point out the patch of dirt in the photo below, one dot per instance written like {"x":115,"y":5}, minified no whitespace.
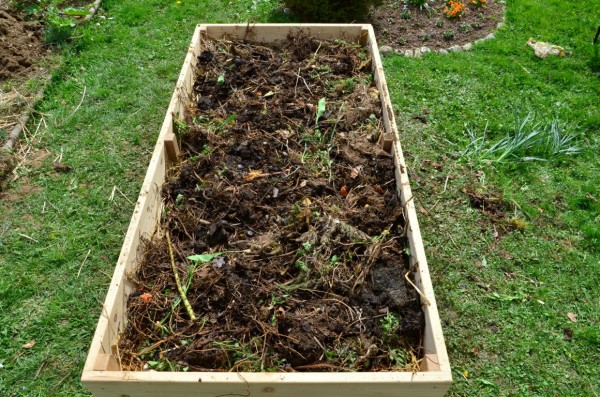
{"x":284,"y":183}
{"x":429,"y":27}
{"x":21,"y":44}
{"x":491,"y":203}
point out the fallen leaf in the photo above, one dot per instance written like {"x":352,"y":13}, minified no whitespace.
{"x":146,"y":297}
{"x":254,"y":174}
{"x":344,"y":191}
{"x":465,"y":374}
{"x":572,"y":317}
{"x":422,"y":210}
{"x":204,"y":258}
{"x":29,"y":344}
{"x":378,"y":189}
{"x":306,"y":202}
{"x":356,"y":172}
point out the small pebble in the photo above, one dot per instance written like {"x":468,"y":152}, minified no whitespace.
{"x":455,"y":48}
{"x":442,"y":51}
{"x":249,"y":233}
{"x":467,"y":47}
{"x":275,"y":192}
{"x":240,"y":166}
{"x":425,"y":50}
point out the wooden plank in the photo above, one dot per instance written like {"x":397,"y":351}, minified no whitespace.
{"x":143,"y":223}
{"x":433,"y":341}
{"x":278,"y":32}
{"x":146,"y":384}
{"x":101,"y":374}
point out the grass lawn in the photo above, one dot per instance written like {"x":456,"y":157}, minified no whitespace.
{"x":506,"y":280}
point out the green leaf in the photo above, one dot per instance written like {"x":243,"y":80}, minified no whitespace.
{"x":221,"y":79}
{"x":204,"y":258}
{"x":321,"y":108}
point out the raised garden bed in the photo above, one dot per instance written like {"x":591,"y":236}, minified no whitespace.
{"x":291,"y":189}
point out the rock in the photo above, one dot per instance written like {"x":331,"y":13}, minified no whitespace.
{"x":425,"y":50}
{"x":409,"y":53}
{"x":467,"y":47}
{"x":417,"y":53}
{"x":399,"y":52}
{"x":490,"y":36}
{"x":455,"y":48}
{"x":385,"y":50}
{"x":442,"y":51}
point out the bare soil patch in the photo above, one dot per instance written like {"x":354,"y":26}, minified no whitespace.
{"x":429,"y":27}
{"x":286,"y":194}
{"x":21,"y":44}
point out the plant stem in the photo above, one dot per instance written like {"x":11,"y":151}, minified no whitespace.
{"x":184,"y":299}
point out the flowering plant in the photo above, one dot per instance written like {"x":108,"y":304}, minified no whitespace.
{"x":454,"y":8}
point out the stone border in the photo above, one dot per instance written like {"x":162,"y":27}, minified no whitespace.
{"x":386,"y":50}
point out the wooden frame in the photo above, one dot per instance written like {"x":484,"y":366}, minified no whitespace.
{"x":102,"y":374}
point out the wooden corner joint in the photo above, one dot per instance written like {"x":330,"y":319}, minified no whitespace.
{"x":364,"y":36}
{"x":106,"y":362}
{"x":386,"y":141}
{"x":172,"y":146}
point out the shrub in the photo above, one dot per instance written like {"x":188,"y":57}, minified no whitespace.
{"x":331,"y":10}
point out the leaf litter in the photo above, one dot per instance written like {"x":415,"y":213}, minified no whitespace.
{"x":288,"y":235}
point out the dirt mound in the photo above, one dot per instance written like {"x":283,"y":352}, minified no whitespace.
{"x":21,"y":44}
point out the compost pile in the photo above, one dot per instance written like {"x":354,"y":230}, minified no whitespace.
{"x":283,"y":220}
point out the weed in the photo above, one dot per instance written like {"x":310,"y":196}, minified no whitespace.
{"x":464,"y":27}
{"x":448,"y":34}
{"x":426,"y":38}
{"x":528,"y":141}
{"x":422,"y":4}
{"x":389,"y":324}
{"x":405,"y":14}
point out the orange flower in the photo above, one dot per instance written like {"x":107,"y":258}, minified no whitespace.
{"x":454,"y":8}
{"x":146,"y":297}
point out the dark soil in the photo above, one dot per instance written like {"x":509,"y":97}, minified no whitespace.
{"x":427,"y":27}
{"x":21,"y":44}
{"x":302,"y":217}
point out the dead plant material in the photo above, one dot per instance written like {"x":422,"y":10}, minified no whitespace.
{"x":311,"y":278}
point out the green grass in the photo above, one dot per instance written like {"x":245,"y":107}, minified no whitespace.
{"x":127,"y":67}
{"x":502,"y":341}
{"x":505,"y":286}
